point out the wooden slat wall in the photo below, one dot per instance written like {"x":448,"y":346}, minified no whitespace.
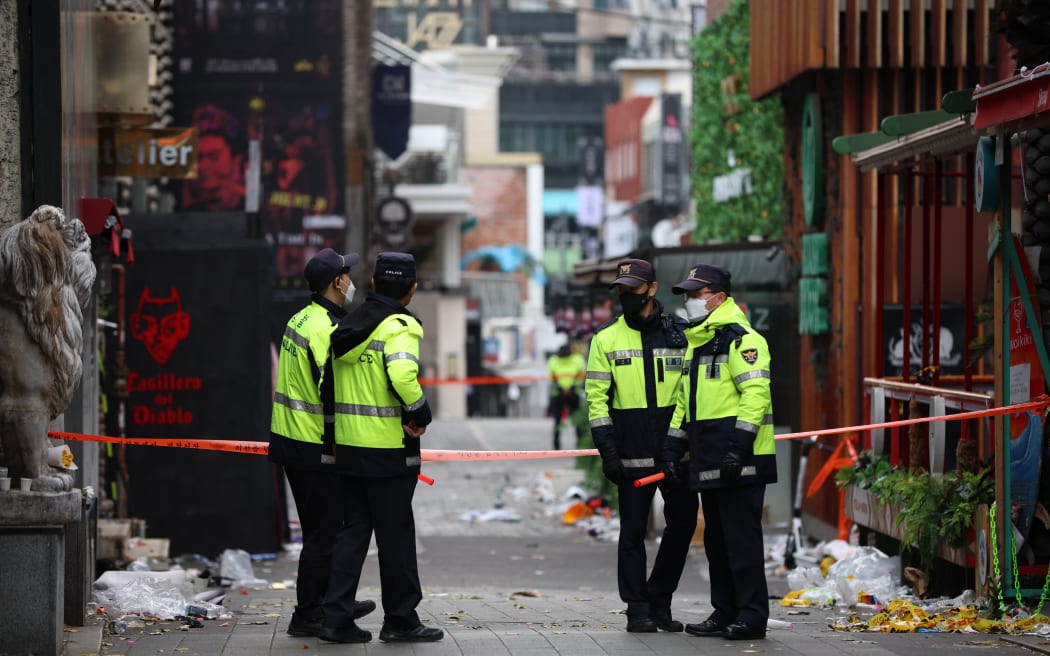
{"x":981,"y":39}
{"x":874,"y":55}
{"x":791,"y":37}
{"x":959,"y":35}
{"x":939,"y":33}
{"x":831,"y":33}
{"x":896,"y":34}
{"x":852,"y":35}
{"x":917,"y":23}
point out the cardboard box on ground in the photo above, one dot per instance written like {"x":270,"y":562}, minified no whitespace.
{"x":124,"y":540}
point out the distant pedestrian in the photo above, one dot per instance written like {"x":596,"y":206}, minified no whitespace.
{"x":633,"y":371}
{"x":724,"y":419}
{"x":380,"y":414}
{"x":302,"y":435}
{"x":566,"y":370}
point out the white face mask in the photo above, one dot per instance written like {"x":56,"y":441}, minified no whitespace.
{"x":350,"y":289}
{"x":696,"y":309}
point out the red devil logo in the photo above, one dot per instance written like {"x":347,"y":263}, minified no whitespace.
{"x":160,"y":324}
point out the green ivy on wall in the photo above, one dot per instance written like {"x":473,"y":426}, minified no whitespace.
{"x":726,"y":119}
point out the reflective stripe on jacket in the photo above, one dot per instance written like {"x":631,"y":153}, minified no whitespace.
{"x":376,"y":386}
{"x":725,"y":400}
{"x":297,"y":422}
{"x":632,"y":382}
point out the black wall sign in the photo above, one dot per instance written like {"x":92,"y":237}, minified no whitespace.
{"x":671,"y":147}
{"x":199,"y":367}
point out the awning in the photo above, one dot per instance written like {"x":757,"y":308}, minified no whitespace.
{"x":560,"y":201}
{"x":903,"y":136}
{"x":510,"y":257}
{"x":1016,"y":102}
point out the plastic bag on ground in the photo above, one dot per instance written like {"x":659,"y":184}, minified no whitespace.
{"x":866,"y":564}
{"x":801,"y":578}
{"x":236,"y":565}
{"x":144,"y":595}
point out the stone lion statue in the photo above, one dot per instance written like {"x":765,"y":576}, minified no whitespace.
{"x":46,"y":275}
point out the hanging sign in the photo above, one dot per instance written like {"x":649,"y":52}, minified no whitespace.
{"x":985,"y":176}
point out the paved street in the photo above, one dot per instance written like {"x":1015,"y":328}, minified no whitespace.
{"x":527,"y":587}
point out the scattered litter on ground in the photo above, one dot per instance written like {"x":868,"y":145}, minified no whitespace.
{"x":859,"y":585}
{"x":494,"y":515}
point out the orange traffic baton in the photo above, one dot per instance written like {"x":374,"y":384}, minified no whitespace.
{"x":651,"y":478}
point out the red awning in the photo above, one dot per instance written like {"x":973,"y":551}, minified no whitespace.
{"x":1016,"y":102}
{"x":101,"y":219}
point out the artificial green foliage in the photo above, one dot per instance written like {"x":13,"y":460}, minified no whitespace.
{"x":930,"y":509}
{"x":593,"y":478}
{"x":725,"y":118}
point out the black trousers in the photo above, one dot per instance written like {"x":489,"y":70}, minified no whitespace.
{"x":569,"y":403}
{"x":736,"y":554}
{"x":680,"y":510}
{"x":383,"y":505}
{"x":315,"y":500}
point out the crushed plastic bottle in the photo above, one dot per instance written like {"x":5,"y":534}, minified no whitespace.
{"x":777,"y":624}
{"x":117,"y":626}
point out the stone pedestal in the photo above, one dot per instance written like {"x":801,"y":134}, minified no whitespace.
{"x":32,"y":578}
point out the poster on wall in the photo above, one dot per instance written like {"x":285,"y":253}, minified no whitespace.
{"x":905,"y":350}
{"x":271,"y":74}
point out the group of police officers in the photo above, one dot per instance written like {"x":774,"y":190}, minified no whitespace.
{"x":685,"y":397}
{"x":348,"y":412}
{"x":688,"y":398}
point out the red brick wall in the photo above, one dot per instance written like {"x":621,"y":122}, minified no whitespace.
{"x":716,"y":8}
{"x":623,"y":126}
{"x":499,"y":202}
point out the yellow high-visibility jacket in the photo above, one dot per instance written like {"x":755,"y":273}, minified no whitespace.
{"x":302,"y":402}
{"x":377,"y":390}
{"x":724,"y":401}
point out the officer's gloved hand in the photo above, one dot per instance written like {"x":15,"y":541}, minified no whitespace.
{"x":612,"y":467}
{"x":732,"y":465}
{"x":669,"y":470}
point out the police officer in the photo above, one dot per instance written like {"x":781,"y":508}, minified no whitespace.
{"x":380,"y":413}
{"x":633,"y":371}
{"x":302,"y":436}
{"x":565,"y":368}
{"x":724,"y":418}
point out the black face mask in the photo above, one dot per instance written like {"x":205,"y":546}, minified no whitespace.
{"x":632,"y":304}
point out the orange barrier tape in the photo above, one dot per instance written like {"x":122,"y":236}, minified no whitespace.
{"x":262,"y":448}
{"x":493,"y":380}
{"x":440,"y":455}
{"x":1038,"y":403}
{"x":651,"y":478}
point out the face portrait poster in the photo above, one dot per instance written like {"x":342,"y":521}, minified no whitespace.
{"x":270,"y":72}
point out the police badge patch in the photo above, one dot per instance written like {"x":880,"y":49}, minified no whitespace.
{"x":750,"y":355}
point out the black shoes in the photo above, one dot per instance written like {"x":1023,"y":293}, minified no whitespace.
{"x":640,"y":624}
{"x":707,"y":629}
{"x":300,"y":628}
{"x":664,"y":621}
{"x":741,"y":631}
{"x":349,"y":633}
{"x":419,"y":634}
{"x":362,"y":608}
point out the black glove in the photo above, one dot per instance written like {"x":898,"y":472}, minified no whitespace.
{"x":732,"y":465}
{"x":670,"y":471}
{"x":612,"y":467}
